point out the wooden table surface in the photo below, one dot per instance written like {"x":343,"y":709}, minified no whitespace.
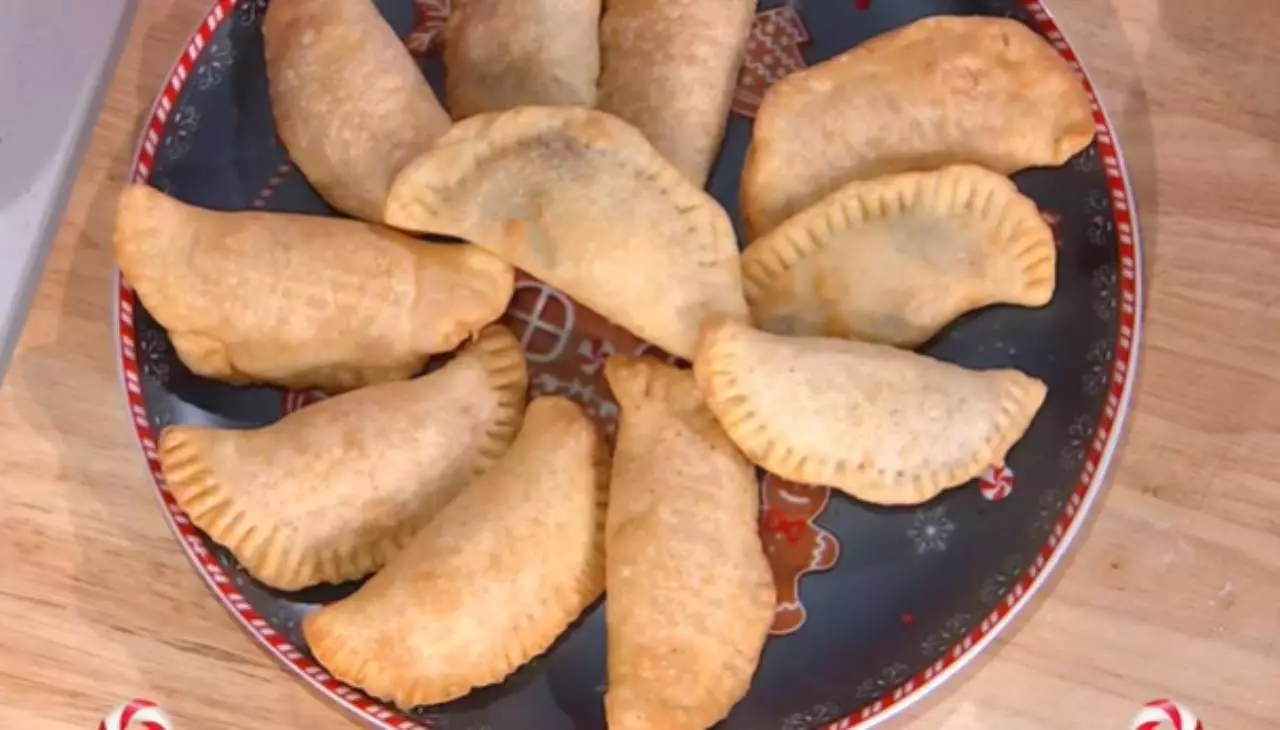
{"x":1174,"y":590}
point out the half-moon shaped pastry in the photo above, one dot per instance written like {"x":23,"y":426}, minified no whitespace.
{"x":885,"y":425}
{"x":579,"y":199}
{"x":501,"y":54}
{"x":349,"y":102}
{"x":301,"y":301}
{"x":330,"y":492}
{"x":896,"y":258}
{"x":943,"y":90}
{"x":691,"y":594}
{"x":669,"y":67}
{"x":489,"y":583}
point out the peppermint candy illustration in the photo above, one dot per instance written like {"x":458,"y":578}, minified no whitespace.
{"x":139,"y":715}
{"x":296,"y":400}
{"x":426,"y":38}
{"x":996,"y":483}
{"x":1163,"y":714}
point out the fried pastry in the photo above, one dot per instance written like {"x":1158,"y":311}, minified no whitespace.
{"x":691,"y":594}
{"x":670,"y":67}
{"x":489,"y":583}
{"x":885,"y":425}
{"x":580,"y":200}
{"x":943,"y":90}
{"x":896,"y":258}
{"x":501,"y":54}
{"x":350,"y":104}
{"x":301,"y":301}
{"x":330,"y":492}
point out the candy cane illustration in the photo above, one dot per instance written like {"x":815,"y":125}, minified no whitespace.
{"x":138,"y":714}
{"x":1162,"y":714}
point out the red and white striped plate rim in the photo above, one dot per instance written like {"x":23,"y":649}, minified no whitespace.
{"x":1160,"y":714}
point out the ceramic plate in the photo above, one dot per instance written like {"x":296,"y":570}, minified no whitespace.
{"x":877,"y":607}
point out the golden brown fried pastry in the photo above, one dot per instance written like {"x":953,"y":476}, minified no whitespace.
{"x":349,"y":102}
{"x":301,"y":301}
{"x":579,"y":199}
{"x":330,"y":492}
{"x":895,"y":258}
{"x":691,"y":594}
{"x":885,"y":425}
{"x":670,"y":67}
{"x":941,"y":91}
{"x":501,"y":54}
{"x":491,"y":582}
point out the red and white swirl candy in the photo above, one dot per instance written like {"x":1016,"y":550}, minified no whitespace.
{"x":296,"y":400}
{"x":1165,"y":715}
{"x":138,"y":715}
{"x":996,"y":483}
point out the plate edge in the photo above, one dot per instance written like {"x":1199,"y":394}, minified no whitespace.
{"x":874,"y":714}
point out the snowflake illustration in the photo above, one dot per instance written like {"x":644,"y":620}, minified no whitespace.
{"x":1078,"y":435}
{"x":182,"y":128}
{"x":251,"y":10}
{"x":221,"y":56}
{"x":953,"y":630}
{"x":995,"y":587}
{"x":930,"y":530}
{"x":154,"y":352}
{"x":1105,"y":289}
{"x":1100,"y":230}
{"x":1086,"y":161}
{"x":1049,"y":509}
{"x":1098,"y":370}
{"x":1097,"y":202}
{"x":889,"y":678}
{"x":959,"y":624}
{"x":806,"y":719}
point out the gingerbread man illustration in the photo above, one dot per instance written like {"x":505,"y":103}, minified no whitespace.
{"x":794,"y":545}
{"x":774,"y":50}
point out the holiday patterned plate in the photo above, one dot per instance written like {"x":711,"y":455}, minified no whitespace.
{"x":876,"y":607}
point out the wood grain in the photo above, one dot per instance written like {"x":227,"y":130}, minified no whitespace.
{"x":1174,"y":591}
